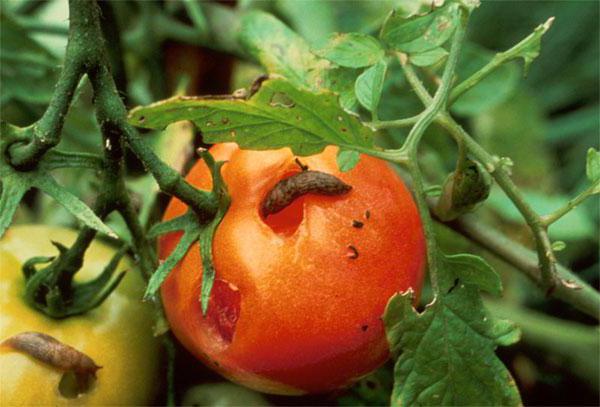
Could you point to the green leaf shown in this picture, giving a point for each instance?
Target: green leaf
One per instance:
(445, 355)
(341, 81)
(193, 231)
(352, 50)
(475, 270)
(592, 165)
(558, 246)
(278, 115)
(347, 159)
(11, 192)
(277, 47)
(313, 20)
(428, 58)
(29, 71)
(496, 88)
(73, 204)
(369, 86)
(420, 33)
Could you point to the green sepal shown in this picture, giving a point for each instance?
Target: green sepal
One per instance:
(15, 183)
(208, 231)
(52, 291)
(193, 230)
(190, 235)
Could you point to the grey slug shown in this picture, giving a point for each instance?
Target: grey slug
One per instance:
(302, 183)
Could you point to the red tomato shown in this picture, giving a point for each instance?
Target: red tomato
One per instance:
(298, 297)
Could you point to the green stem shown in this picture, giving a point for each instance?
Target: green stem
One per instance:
(502, 177)
(169, 180)
(393, 124)
(584, 298)
(547, 220)
(410, 147)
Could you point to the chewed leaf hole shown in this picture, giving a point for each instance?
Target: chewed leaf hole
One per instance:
(280, 99)
(224, 309)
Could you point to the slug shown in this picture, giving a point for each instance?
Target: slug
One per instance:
(302, 183)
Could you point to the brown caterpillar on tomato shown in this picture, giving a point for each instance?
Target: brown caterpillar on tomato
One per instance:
(302, 183)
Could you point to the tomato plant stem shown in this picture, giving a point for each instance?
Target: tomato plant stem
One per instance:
(410, 147)
(585, 298)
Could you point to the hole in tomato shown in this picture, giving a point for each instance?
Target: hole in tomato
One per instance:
(287, 220)
(72, 385)
(224, 309)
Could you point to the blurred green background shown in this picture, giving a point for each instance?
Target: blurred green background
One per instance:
(544, 122)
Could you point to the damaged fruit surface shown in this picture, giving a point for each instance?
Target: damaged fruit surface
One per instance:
(44, 361)
(299, 294)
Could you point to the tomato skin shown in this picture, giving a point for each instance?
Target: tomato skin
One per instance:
(117, 335)
(292, 311)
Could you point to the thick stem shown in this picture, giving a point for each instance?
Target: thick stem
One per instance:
(585, 298)
(81, 54)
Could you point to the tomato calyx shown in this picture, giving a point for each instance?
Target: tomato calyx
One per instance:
(194, 228)
(52, 291)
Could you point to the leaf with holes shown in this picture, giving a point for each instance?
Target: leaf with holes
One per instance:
(445, 355)
(278, 115)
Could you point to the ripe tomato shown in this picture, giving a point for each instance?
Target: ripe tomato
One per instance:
(298, 296)
(117, 335)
